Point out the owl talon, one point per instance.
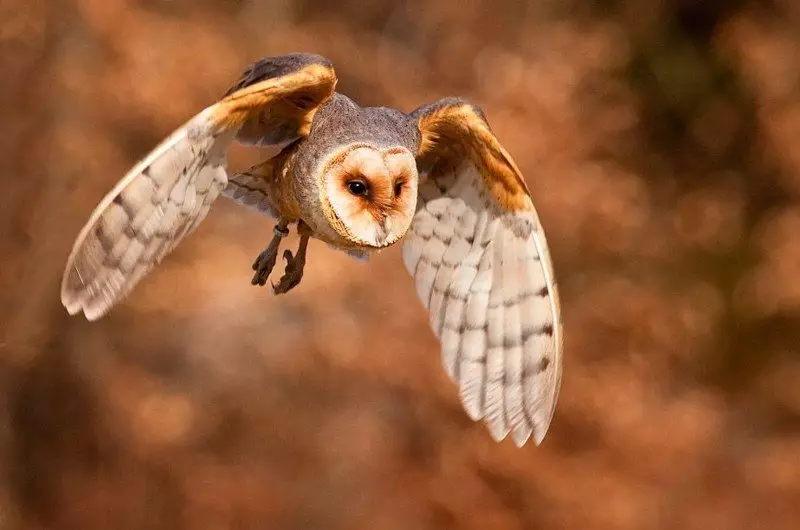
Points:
(264, 265)
(265, 261)
(294, 268)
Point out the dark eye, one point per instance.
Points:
(357, 187)
(398, 189)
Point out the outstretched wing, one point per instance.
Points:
(482, 268)
(168, 193)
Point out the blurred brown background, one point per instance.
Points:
(661, 141)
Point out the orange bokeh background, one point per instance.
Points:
(660, 142)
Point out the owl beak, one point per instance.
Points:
(382, 232)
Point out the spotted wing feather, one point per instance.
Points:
(166, 195)
(482, 269)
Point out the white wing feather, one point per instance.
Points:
(486, 278)
(166, 195)
(155, 205)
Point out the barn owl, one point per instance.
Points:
(437, 181)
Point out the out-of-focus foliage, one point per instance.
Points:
(661, 142)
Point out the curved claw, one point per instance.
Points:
(263, 267)
(265, 262)
(294, 269)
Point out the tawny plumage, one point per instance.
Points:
(437, 181)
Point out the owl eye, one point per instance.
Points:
(398, 188)
(356, 187)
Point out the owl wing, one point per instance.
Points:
(482, 268)
(167, 194)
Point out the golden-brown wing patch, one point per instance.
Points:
(277, 109)
(455, 125)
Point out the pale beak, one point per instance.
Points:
(382, 231)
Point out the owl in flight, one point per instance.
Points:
(437, 181)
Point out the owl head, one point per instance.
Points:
(372, 194)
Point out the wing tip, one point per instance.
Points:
(70, 297)
(75, 303)
(498, 431)
(474, 410)
(91, 312)
(539, 433)
(76, 296)
(521, 433)
(72, 309)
